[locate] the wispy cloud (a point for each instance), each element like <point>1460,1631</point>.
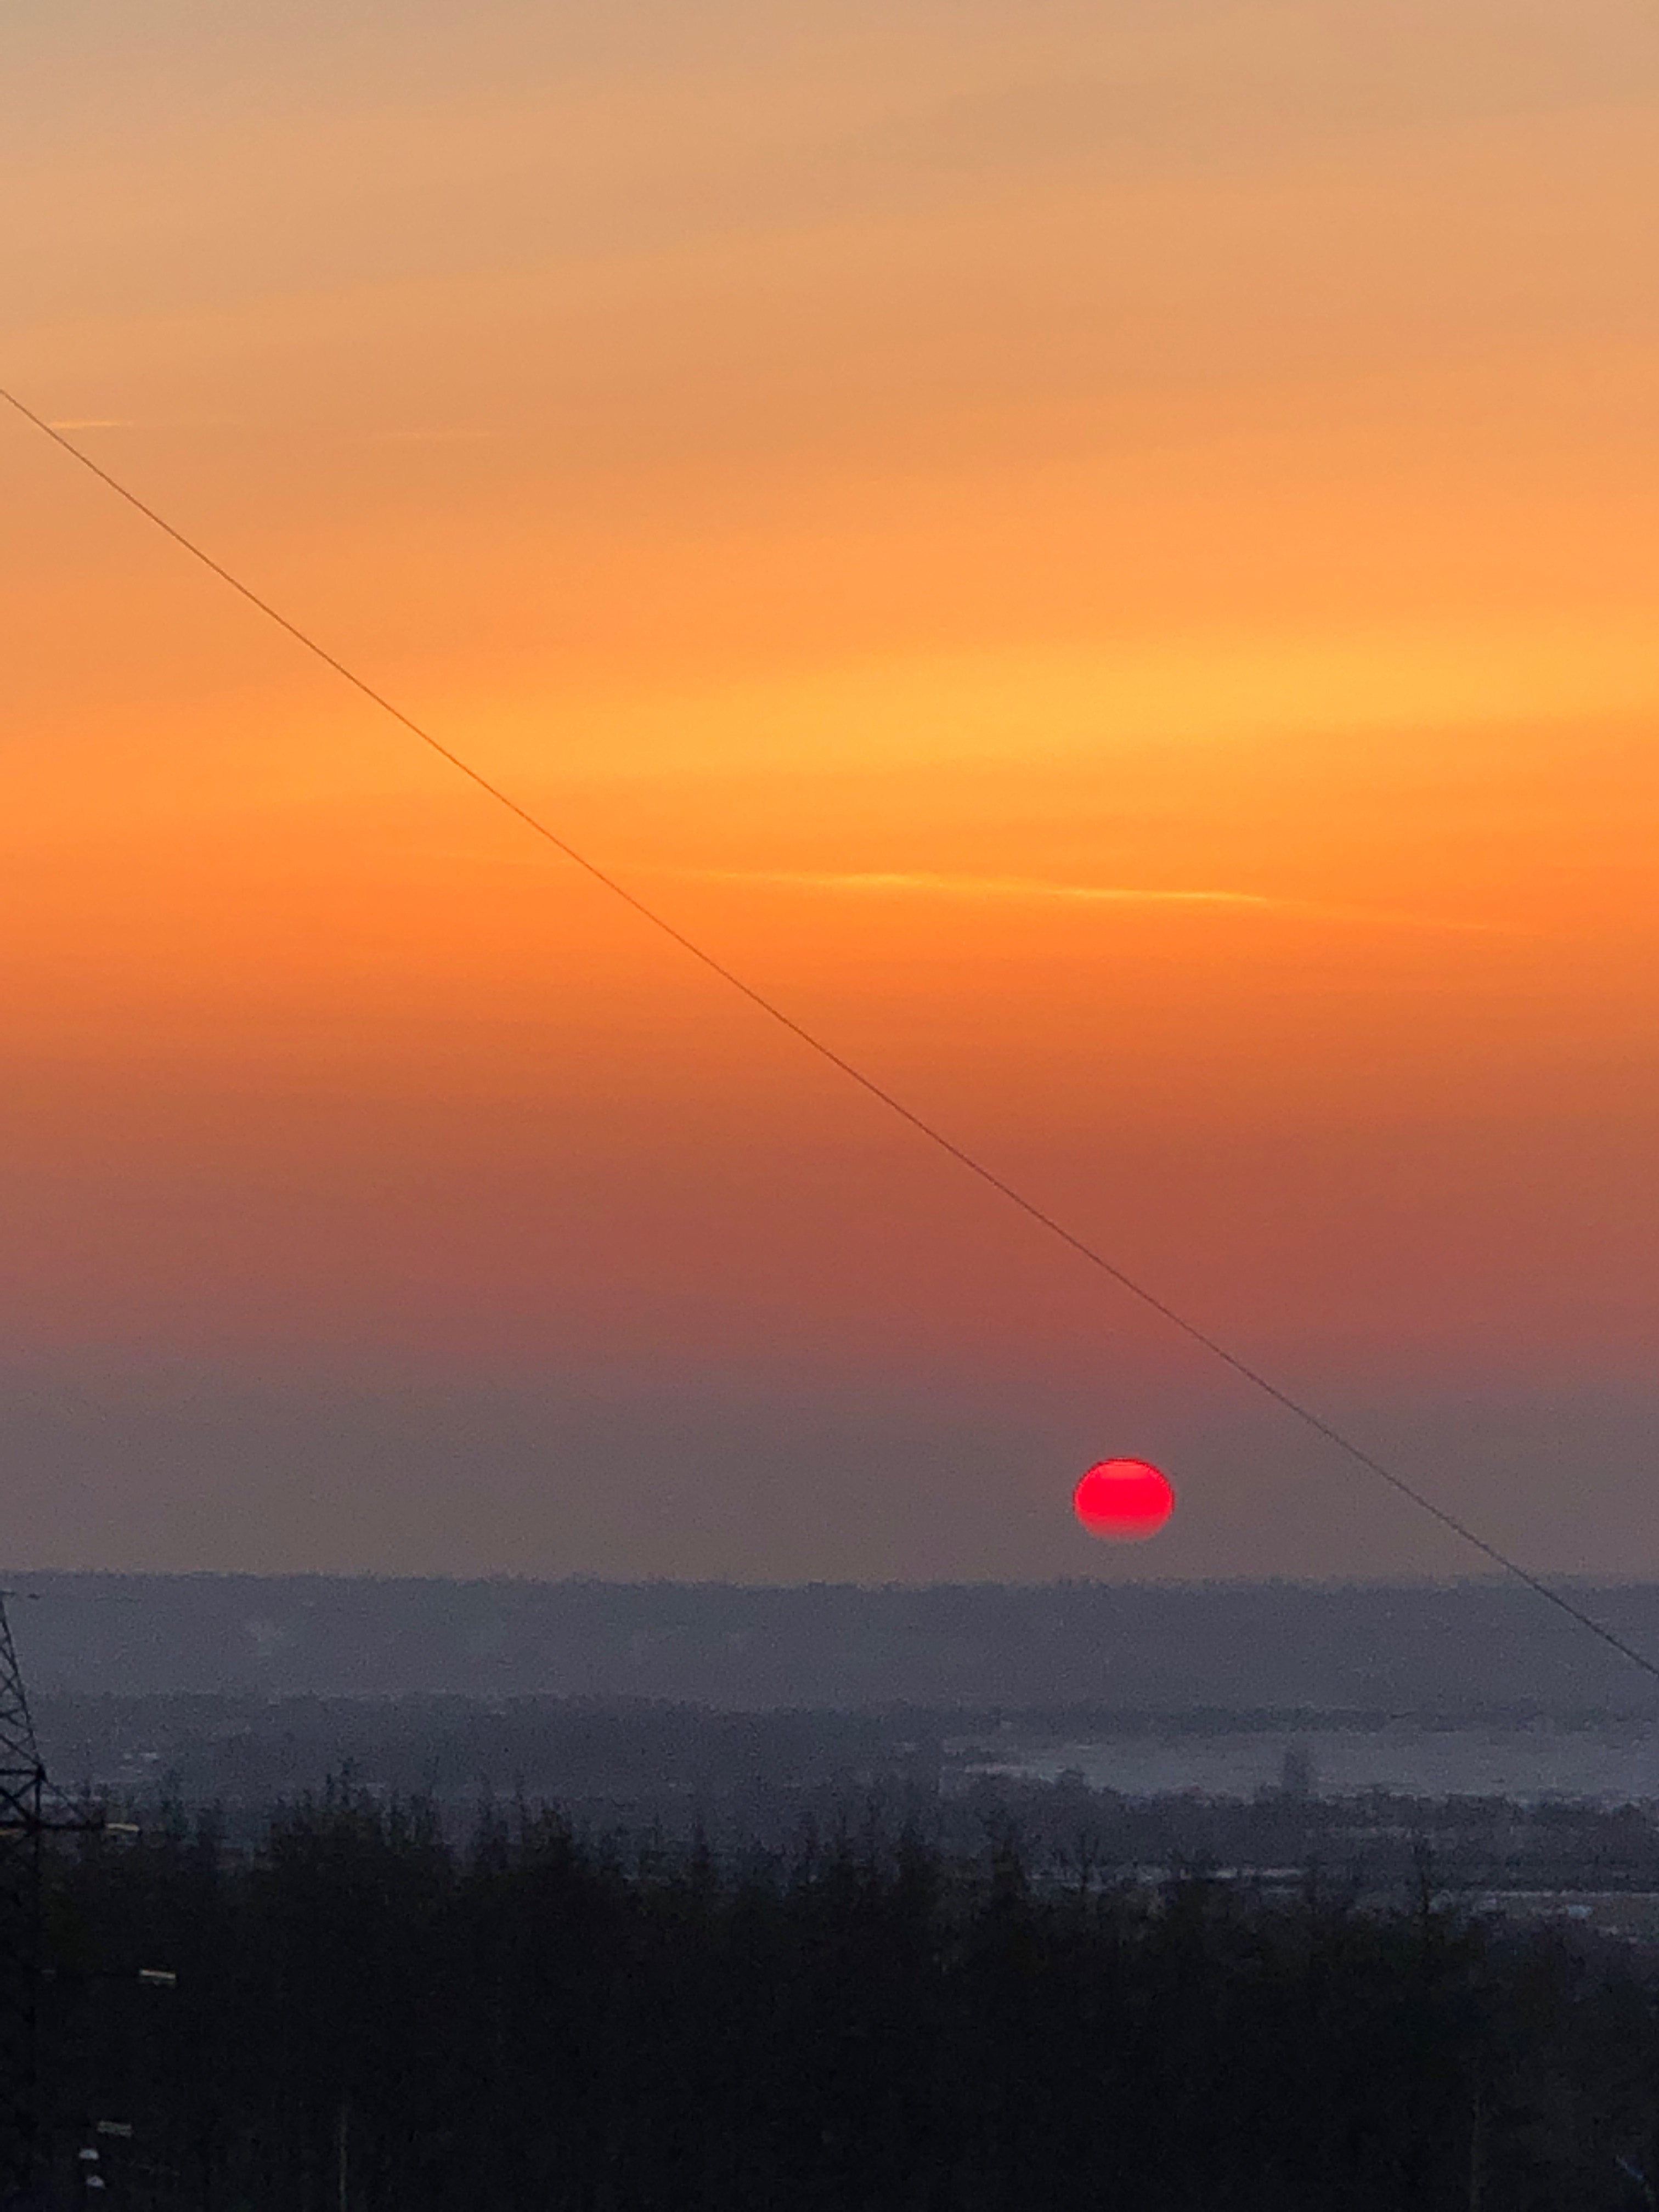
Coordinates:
<point>924,883</point>
<point>921,883</point>
<point>92,422</point>
<point>945,886</point>
<point>431,437</point>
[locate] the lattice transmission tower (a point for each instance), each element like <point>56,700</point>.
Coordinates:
<point>30,1811</point>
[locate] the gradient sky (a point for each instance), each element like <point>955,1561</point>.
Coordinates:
<point>1104,554</point>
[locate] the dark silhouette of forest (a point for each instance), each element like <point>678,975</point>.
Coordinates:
<point>369,2014</point>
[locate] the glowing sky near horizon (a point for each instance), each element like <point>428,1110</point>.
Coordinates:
<point>1104,555</point>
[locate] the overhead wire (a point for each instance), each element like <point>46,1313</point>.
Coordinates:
<point>1195,1334</point>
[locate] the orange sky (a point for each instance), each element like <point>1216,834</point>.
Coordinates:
<point>1104,555</point>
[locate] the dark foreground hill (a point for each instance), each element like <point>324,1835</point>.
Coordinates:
<point>1141,1647</point>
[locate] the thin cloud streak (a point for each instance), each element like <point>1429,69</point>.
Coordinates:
<point>921,882</point>
<point>418,437</point>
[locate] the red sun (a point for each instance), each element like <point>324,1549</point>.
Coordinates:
<point>1124,1500</point>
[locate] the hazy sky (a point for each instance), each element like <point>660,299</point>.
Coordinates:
<point>1104,554</point>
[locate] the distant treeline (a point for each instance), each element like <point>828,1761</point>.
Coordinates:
<point>1136,1646</point>
<point>370,2018</point>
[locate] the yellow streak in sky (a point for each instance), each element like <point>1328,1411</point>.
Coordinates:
<point>925,883</point>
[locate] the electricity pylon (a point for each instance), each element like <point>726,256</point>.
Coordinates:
<point>29,1812</point>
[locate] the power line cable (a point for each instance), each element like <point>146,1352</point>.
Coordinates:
<point>826,1052</point>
